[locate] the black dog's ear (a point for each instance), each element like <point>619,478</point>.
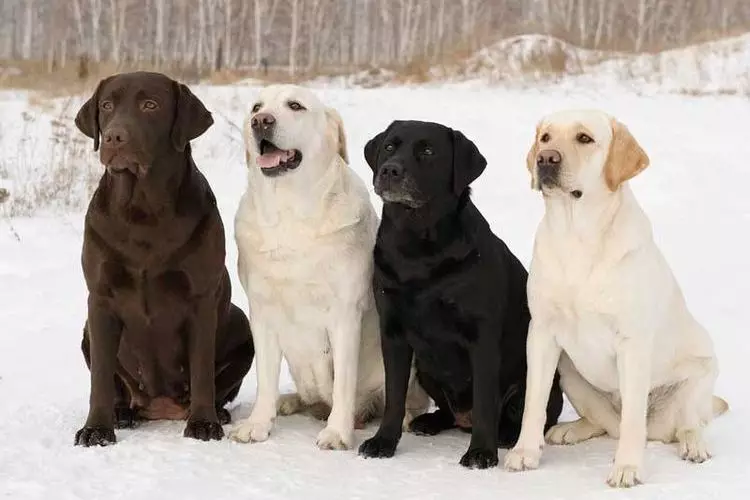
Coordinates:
<point>191,118</point>
<point>468,162</point>
<point>372,148</point>
<point>87,119</point>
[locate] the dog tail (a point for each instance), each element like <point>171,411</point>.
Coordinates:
<point>720,406</point>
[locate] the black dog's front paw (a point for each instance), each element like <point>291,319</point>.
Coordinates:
<point>126,418</point>
<point>479,458</point>
<point>378,447</point>
<point>430,424</point>
<point>224,416</point>
<point>204,430</point>
<point>95,436</point>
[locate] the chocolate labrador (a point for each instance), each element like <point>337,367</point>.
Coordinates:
<point>449,293</point>
<point>162,339</point>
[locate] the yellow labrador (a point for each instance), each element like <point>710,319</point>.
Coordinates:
<point>605,305</point>
<point>305,231</point>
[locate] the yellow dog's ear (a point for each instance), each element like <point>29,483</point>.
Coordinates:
<point>626,158</point>
<point>531,156</point>
<point>337,125</point>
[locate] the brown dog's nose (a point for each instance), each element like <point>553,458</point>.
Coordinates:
<point>263,121</point>
<point>115,137</point>
<point>548,158</point>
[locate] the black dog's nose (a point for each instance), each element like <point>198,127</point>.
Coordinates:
<point>391,171</point>
<point>548,158</point>
<point>116,136</point>
<point>263,121</point>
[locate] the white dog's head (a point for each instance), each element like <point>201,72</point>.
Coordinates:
<point>580,152</point>
<point>288,128</point>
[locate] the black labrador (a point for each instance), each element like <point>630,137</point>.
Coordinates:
<point>162,339</point>
<point>450,294</point>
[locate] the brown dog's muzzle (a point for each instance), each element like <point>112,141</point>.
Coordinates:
<point>548,163</point>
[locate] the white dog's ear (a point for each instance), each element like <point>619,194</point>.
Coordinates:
<point>626,157</point>
<point>531,158</point>
<point>337,126</point>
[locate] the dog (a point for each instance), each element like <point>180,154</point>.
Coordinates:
<point>305,231</point>
<point>450,294</point>
<point>633,361</point>
<point>162,340</point>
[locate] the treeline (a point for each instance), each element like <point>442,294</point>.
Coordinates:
<point>307,36</point>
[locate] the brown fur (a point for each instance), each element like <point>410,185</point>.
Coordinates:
<point>626,158</point>
<point>162,339</point>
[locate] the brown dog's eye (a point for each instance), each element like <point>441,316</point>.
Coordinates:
<point>545,137</point>
<point>584,139</point>
<point>257,107</point>
<point>106,105</point>
<point>389,147</point>
<point>295,106</point>
<point>149,105</point>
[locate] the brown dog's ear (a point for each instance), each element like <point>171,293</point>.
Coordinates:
<point>191,117</point>
<point>531,157</point>
<point>87,119</point>
<point>626,158</point>
<point>372,148</point>
<point>468,162</point>
<point>337,124</point>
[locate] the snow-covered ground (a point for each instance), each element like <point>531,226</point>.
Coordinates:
<point>695,192</point>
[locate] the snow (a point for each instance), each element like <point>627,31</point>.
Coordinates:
<point>694,192</point>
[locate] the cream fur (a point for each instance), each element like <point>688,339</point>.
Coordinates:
<point>633,361</point>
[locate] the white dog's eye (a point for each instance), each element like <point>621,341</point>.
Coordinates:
<point>584,138</point>
<point>389,147</point>
<point>295,106</point>
<point>257,107</point>
<point>545,137</point>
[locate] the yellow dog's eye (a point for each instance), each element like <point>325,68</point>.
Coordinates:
<point>256,107</point>
<point>295,106</point>
<point>584,138</point>
<point>545,137</point>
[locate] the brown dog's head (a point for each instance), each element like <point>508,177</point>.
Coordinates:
<point>141,118</point>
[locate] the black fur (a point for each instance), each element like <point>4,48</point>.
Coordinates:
<point>449,293</point>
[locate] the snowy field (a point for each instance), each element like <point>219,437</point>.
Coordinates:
<point>695,193</point>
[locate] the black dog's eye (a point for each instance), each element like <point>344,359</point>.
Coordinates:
<point>149,105</point>
<point>257,107</point>
<point>106,105</point>
<point>584,138</point>
<point>295,106</point>
<point>389,147</point>
<point>428,152</point>
<point>545,137</point>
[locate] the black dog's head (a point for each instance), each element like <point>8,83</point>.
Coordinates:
<point>420,163</point>
<point>141,118</point>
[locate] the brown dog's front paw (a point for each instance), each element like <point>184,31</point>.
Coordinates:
<point>95,436</point>
<point>204,430</point>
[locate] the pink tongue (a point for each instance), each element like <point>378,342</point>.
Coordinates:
<point>272,159</point>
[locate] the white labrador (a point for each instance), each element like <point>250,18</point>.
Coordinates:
<point>305,230</point>
<point>633,361</point>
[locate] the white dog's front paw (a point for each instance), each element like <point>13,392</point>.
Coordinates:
<point>693,447</point>
<point>520,459</point>
<point>251,431</point>
<point>331,439</point>
<point>624,476</point>
<point>573,432</point>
